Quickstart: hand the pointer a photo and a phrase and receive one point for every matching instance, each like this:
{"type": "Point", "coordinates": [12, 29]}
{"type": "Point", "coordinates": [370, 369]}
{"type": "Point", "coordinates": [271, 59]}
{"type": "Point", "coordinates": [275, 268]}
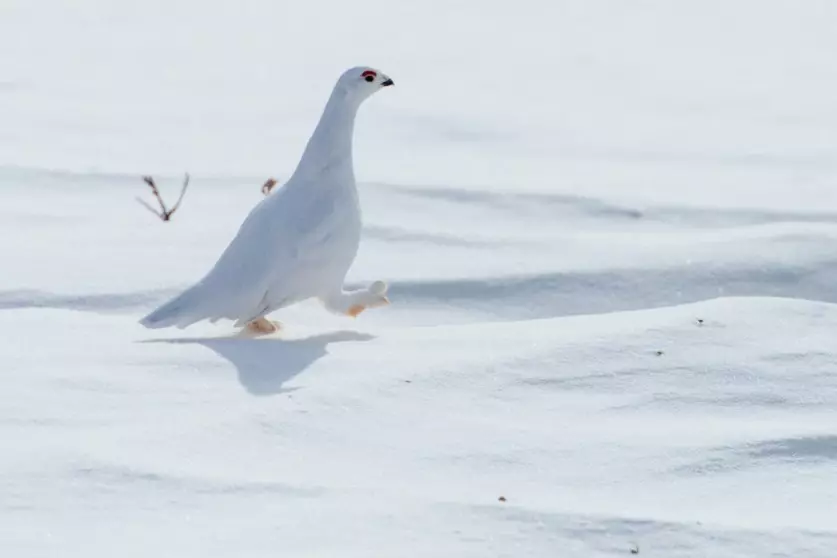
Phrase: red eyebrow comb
{"type": "Point", "coordinates": [368, 73]}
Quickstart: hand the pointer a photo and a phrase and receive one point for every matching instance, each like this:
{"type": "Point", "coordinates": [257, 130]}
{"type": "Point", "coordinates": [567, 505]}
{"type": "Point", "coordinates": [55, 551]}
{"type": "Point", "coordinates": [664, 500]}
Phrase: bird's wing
{"type": "Point", "coordinates": [280, 232]}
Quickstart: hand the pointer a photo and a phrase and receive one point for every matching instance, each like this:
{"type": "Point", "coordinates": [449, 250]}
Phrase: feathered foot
{"type": "Point", "coordinates": [376, 296]}
{"type": "Point", "coordinates": [262, 326]}
{"type": "Point", "coordinates": [352, 303]}
{"type": "Point", "coordinates": [354, 311]}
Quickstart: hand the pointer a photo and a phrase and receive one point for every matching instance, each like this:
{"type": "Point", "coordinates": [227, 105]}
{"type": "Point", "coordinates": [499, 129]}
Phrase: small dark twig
{"type": "Point", "coordinates": [164, 214]}
{"type": "Point", "coordinates": [268, 186]}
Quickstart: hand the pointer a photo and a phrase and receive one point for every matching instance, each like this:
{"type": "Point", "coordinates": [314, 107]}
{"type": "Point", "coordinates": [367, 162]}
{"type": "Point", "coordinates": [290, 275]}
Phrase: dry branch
{"type": "Point", "coordinates": [164, 214]}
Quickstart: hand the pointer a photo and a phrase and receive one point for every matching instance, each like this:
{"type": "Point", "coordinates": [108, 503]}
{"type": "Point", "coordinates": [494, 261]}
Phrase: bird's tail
{"type": "Point", "coordinates": [181, 311]}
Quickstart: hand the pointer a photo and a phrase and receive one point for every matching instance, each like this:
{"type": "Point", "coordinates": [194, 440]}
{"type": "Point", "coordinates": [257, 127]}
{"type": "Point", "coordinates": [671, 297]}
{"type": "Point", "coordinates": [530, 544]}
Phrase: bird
{"type": "Point", "coordinates": [300, 240]}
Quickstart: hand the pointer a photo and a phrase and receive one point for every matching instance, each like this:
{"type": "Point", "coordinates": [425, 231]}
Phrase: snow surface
{"type": "Point", "coordinates": [609, 229]}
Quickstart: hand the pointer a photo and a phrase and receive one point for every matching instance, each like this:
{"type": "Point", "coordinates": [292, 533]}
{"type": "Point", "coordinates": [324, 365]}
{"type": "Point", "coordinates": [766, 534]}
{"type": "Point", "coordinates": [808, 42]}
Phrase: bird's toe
{"type": "Point", "coordinates": [355, 310]}
{"type": "Point", "coordinates": [263, 326]}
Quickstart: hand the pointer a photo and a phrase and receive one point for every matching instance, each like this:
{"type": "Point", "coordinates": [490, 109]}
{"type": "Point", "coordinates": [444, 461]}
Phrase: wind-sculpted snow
{"type": "Point", "coordinates": [600, 432]}
{"type": "Point", "coordinates": [640, 378]}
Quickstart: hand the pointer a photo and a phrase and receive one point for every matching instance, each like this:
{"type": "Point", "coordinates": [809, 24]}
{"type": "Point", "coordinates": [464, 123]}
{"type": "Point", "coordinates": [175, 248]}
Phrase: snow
{"type": "Point", "coordinates": [608, 231]}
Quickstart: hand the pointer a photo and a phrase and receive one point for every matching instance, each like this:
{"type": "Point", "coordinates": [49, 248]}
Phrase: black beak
{"type": "Point", "coordinates": [388, 82]}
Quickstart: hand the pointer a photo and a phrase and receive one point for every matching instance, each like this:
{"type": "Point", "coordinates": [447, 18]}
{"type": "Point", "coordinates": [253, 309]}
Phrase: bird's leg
{"type": "Point", "coordinates": [352, 303]}
{"type": "Point", "coordinates": [355, 310]}
{"type": "Point", "coordinates": [263, 326]}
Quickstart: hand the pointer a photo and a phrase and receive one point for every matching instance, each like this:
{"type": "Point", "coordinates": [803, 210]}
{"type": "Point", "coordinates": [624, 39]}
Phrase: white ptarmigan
{"type": "Point", "coordinates": [300, 240]}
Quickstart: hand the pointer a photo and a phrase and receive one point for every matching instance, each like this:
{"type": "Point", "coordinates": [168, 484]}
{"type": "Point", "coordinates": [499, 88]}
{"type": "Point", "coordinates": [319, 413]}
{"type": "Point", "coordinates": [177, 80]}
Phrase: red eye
{"type": "Point", "coordinates": [369, 75]}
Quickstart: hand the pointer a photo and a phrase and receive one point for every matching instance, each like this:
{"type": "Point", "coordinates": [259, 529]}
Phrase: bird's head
{"type": "Point", "coordinates": [361, 82]}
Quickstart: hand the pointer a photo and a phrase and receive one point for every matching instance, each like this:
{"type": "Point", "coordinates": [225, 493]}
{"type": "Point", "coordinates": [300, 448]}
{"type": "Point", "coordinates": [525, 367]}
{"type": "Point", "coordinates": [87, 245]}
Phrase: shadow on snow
{"type": "Point", "coordinates": [264, 365]}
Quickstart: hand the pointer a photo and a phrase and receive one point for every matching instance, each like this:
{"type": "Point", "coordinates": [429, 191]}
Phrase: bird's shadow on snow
{"type": "Point", "coordinates": [265, 364]}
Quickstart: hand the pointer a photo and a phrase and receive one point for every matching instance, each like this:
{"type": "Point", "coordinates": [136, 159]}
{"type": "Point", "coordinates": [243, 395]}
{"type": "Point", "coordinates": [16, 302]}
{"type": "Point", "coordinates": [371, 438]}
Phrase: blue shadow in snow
{"type": "Point", "coordinates": [264, 365]}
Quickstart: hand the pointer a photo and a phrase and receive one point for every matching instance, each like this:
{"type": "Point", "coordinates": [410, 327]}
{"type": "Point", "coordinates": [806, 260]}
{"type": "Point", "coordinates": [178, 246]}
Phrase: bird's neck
{"type": "Point", "coordinates": [330, 146]}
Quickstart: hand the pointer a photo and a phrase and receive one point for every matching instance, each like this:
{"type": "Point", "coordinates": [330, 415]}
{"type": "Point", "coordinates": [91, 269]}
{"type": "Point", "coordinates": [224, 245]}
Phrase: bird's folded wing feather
{"type": "Point", "coordinates": [277, 234]}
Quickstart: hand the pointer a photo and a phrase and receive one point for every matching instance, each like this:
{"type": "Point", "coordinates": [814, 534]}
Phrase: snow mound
{"type": "Point", "coordinates": [662, 427]}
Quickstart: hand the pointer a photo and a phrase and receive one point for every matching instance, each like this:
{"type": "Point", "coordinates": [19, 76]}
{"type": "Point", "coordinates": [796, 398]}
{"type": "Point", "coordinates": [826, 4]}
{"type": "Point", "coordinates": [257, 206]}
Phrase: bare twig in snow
{"type": "Point", "coordinates": [164, 214]}
{"type": "Point", "coordinates": [268, 186]}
